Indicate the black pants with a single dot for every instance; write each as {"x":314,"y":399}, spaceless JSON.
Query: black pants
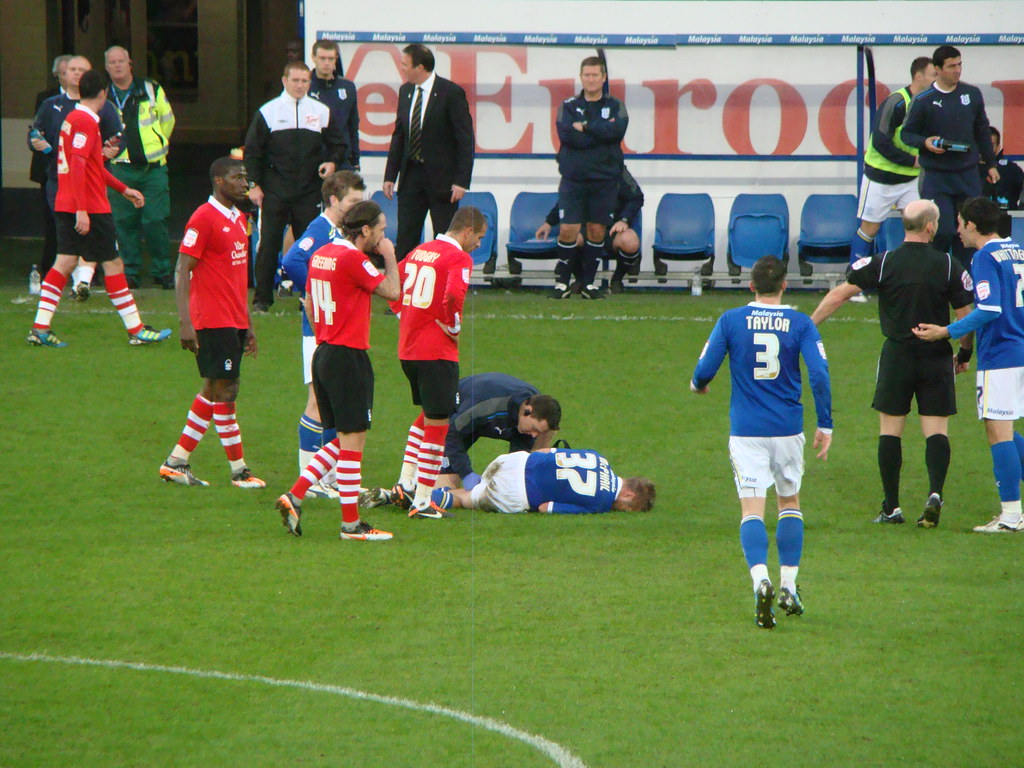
{"x":275,"y":215}
{"x":417,"y":195}
{"x":49,"y":254}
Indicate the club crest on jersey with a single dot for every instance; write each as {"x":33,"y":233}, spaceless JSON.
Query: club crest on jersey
{"x":191,"y":235}
{"x":965,"y":99}
{"x":861,"y":263}
{"x":342,"y":94}
{"x":984,"y":290}
{"x":606,"y":112}
{"x":227,"y":365}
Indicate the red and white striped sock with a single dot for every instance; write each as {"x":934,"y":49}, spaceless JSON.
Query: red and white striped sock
{"x":121,"y":297}
{"x":412,"y":452}
{"x":230,"y":434}
{"x":429,"y":465}
{"x":196,"y":424}
{"x":349,"y":474}
{"x":49,"y":298}
{"x":323,"y":462}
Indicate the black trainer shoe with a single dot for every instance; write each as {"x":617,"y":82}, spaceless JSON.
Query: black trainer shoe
{"x":559,"y":292}
{"x":893,"y":518}
{"x":790,"y":602}
{"x":764,"y":616}
{"x":400,"y":497}
{"x":932,"y":509}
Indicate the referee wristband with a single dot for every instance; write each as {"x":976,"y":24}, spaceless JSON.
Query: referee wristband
{"x":964,"y":354}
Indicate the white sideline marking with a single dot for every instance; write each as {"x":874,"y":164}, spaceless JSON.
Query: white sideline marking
{"x":561,"y":756}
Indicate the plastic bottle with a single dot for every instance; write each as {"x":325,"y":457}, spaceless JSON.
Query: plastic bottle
{"x":696,"y":288}
{"x":35,"y":133}
{"x":35,"y":281}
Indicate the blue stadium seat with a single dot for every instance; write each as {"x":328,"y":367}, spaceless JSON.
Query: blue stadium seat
{"x":758,"y":226}
{"x":684,"y":230}
{"x":529,"y":209}
{"x":890,"y":234}
{"x":487,"y":253}
{"x":828,"y":224}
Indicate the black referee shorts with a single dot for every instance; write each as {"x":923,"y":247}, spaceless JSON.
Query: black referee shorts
{"x":908,"y":371}
{"x":343,"y":385}
{"x":434,"y":385}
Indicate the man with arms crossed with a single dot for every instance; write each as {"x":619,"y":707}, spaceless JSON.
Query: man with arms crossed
{"x":341,"y":280}
{"x":340,"y":191}
{"x":915,"y":284}
{"x":211,"y":283}
{"x":764,"y":341}
{"x":998,"y":320}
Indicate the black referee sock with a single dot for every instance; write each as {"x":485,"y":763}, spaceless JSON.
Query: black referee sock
{"x":890,"y":461}
{"x":936,"y":458}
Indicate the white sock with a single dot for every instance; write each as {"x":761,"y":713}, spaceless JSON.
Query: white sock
{"x":82,"y":274}
{"x":1011,"y":512}
{"x":787,"y":577}
{"x":759,"y":573}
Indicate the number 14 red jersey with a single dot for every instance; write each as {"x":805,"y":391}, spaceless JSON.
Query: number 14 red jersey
{"x":435,"y":278}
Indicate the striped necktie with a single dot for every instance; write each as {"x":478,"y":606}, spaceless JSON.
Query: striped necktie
{"x":415,"y":129}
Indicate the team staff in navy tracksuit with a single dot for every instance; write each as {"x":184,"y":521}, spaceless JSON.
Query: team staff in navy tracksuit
{"x":284,"y":157}
{"x":590,"y":128}
{"x":1008,"y":192}
{"x":954,"y":112}
{"x":327,"y":86}
{"x":622,"y":242}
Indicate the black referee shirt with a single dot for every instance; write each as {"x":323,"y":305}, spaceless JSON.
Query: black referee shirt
{"x":915,"y":284}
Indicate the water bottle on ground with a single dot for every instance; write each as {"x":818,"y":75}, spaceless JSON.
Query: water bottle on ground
{"x":35,"y":281}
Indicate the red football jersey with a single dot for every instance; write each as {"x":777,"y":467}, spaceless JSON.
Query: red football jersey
{"x":341,"y":280}
{"x":82,"y":179}
{"x":435,"y":278}
{"x":217,"y":237}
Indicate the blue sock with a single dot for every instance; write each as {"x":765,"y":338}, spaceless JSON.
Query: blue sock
{"x":329,"y":435}
{"x":1018,"y":440}
{"x":789,"y":537}
{"x":311,"y":434}
{"x":754,"y":540}
{"x":861,"y":246}
{"x":1006,"y":468}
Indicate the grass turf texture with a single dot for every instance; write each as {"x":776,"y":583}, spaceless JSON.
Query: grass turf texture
{"x":627,"y":639}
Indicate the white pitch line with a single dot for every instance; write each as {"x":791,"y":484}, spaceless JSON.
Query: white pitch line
{"x":561,"y":756}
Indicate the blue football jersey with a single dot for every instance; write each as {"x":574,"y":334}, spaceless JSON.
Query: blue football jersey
{"x":575,"y":482}
{"x":764,"y":343}
{"x":998,"y":274}
{"x":319,"y":233}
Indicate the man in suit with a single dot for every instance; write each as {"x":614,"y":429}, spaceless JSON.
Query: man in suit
{"x":431,"y":149}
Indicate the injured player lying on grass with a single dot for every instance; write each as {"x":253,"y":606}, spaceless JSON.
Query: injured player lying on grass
{"x":555,"y":481}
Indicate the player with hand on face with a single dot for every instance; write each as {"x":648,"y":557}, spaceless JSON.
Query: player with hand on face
{"x":764,"y":341}
{"x":554,"y":481}
{"x":340,"y":191}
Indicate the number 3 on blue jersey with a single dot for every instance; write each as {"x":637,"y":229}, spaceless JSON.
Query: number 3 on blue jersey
{"x":583,"y":483}
{"x":769,"y":357}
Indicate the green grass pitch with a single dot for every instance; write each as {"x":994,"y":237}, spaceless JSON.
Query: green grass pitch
{"x":607,"y":641}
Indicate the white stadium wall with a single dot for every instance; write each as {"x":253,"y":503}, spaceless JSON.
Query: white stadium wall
{"x":723,"y":97}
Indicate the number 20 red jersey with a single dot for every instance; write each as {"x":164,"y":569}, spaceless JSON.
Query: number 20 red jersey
{"x":435,"y":278}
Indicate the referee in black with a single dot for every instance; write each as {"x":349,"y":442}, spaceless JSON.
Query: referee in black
{"x":914,"y":282}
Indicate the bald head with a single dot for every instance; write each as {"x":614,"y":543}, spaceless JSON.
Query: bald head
{"x":920,"y":220}
{"x":118,"y":63}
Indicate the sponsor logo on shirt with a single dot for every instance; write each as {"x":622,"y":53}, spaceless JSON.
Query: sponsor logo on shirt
{"x":861,"y":263}
{"x":313,"y":121}
{"x":239,"y":254}
{"x":983,"y":290}
{"x":370,"y":269}
{"x":306,"y":243}
{"x":191,"y":235}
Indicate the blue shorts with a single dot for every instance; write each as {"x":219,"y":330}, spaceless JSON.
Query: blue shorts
{"x":589,"y":202}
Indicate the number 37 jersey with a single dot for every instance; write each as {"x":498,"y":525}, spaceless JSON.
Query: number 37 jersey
{"x":764,"y":343}
{"x":435,"y":278}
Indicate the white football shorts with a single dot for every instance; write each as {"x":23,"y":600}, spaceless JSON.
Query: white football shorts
{"x":758,"y":463}
{"x":502,"y":487}
{"x":878,"y":200}
{"x":308,"y":348}
{"x":1001,"y":394}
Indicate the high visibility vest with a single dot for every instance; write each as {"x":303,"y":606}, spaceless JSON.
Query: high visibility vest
{"x":876,"y":159}
{"x":156,"y":123}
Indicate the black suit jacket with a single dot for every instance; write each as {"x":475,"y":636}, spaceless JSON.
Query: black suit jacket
{"x":40,"y":161}
{"x":447,"y":138}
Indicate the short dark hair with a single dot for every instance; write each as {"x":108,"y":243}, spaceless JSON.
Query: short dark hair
{"x":339,"y":183}
{"x":222,"y":166}
{"x":920,"y":64}
{"x":364,"y":214}
{"x":92,"y":84}
{"x":995,"y":132}
{"x":331,"y":45}
{"x":594,"y":61}
{"x":420,"y":54}
{"x":546,"y":408}
{"x":295,"y":65}
{"x":942,"y":53}
{"x":768,"y":274}
{"x":644,"y":493}
{"x":981,"y":212}
{"x":468,"y":216}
